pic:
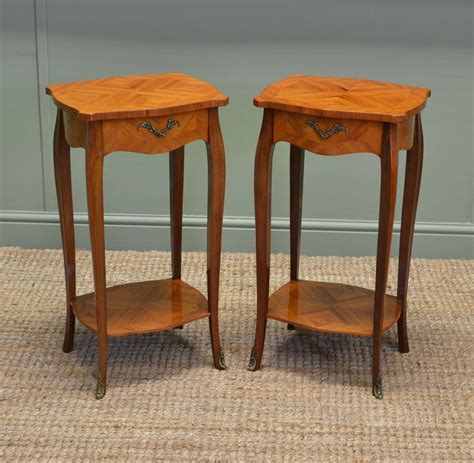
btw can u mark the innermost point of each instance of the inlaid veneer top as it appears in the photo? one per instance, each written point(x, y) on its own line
point(135, 96)
point(344, 98)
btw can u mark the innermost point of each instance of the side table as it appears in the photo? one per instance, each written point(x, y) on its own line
point(148, 114)
point(335, 116)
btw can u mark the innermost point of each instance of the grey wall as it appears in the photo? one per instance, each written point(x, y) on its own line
point(240, 46)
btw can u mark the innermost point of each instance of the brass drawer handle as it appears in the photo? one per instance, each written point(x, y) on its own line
point(158, 133)
point(336, 128)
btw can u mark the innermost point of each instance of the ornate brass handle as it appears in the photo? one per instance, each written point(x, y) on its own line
point(336, 128)
point(158, 133)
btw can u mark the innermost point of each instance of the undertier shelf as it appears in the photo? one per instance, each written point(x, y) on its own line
point(330, 307)
point(144, 307)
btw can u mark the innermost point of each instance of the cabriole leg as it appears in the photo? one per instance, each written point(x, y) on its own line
point(388, 188)
point(262, 186)
point(215, 214)
point(414, 165)
point(296, 208)
point(176, 211)
point(95, 206)
point(62, 175)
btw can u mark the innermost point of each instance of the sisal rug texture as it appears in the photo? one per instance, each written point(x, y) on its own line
point(310, 402)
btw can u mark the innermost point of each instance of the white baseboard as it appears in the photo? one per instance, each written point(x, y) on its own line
point(319, 237)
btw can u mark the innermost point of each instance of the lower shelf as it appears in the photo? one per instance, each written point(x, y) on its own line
point(330, 307)
point(144, 307)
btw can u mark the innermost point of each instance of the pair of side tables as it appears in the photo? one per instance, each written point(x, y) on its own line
point(154, 114)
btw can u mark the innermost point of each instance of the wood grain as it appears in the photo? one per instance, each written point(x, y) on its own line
point(176, 173)
point(333, 116)
point(95, 209)
point(75, 130)
point(135, 96)
point(263, 198)
point(329, 307)
point(215, 217)
point(62, 175)
point(405, 133)
point(337, 97)
point(144, 114)
point(388, 192)
point(413, 169)
point(125, 134)
point(296, 207)
point(362, 136)
point(144, 307)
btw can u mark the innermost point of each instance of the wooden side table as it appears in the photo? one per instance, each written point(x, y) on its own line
point(146, 114)
point(335, 116)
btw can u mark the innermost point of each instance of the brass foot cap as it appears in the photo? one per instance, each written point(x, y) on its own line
point(252, 362)
point(100, 391)
point(222, 364)
point(377, 389)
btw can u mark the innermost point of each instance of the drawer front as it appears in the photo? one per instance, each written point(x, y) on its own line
point(323, 135)
point(151, 135)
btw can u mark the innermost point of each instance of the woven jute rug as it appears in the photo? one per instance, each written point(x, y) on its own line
point(165, 402)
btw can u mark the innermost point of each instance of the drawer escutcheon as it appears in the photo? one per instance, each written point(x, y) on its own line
point(148, 125)
point(336, 128)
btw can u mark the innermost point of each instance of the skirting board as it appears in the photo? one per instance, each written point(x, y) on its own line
point(319, 237)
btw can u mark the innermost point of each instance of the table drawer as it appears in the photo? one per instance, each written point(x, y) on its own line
point(328, 136)
point(155, 134)
point(323, 135)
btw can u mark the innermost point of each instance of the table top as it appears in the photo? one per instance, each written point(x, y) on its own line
point(135, 96)
point(340, 97)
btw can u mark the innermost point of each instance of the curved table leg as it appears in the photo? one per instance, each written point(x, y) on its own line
point(263, 187)
point(62, 175)
point(215, 214)
point(296, 207)
point(95, 206)
point(176, 211)
point(388, 188)
point(414, 165)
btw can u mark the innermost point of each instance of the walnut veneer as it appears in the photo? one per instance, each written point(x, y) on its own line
point(344, 98)
point(145, 114)
point(144, 307)
point(135, 96)
point(335, 116)
point(330, 307)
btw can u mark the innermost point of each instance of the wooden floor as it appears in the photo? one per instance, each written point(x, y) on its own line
point(329, 307)
point(144, 307)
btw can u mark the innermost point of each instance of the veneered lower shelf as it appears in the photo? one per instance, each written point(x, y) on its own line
point(144, 307)
point(330, 307)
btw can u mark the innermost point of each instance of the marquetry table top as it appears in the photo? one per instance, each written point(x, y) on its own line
point(135, 96)
point(344, 98)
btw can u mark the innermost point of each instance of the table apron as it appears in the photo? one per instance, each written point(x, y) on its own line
point(147, 135)
point(330, 136)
